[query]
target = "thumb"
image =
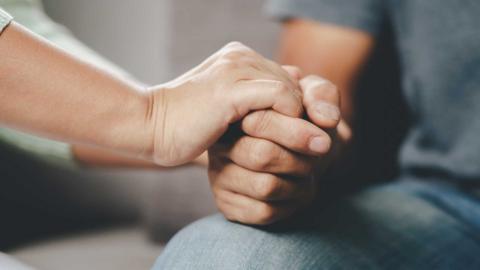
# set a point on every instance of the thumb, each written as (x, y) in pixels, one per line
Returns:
(321, 100)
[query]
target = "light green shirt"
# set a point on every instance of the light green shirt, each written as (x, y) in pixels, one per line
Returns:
(30, 14)
(5, 19)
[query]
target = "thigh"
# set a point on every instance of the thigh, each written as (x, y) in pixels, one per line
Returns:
(389, 227)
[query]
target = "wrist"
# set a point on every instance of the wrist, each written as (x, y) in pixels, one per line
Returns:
(133, 131)
(154, 122)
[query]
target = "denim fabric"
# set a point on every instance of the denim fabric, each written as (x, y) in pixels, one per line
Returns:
(406, 224)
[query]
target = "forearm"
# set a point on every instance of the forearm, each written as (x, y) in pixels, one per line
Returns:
(50, 93)
(94, 156)
(334, 52)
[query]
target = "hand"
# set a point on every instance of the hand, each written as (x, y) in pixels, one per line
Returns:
(268, 174)
(190, 113)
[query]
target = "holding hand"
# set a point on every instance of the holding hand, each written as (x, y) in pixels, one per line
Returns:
(272, 171)
(170, 124)
(190, 113)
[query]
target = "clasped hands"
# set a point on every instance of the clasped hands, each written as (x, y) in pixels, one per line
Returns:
(266, 129)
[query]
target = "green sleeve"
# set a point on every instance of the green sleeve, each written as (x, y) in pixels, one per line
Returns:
(5, 19)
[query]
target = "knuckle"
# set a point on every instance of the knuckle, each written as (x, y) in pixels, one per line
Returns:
(280, 156)
(226, 65)
(294, 71)
(266, 214)
(298, 109)
(239, 46)
(299, 137)
(235, 51)
(229, 215)
(282, 159)
(260, 161)
(281, 87)
(262, 154)
(257, 122)
(267, 186)
(231, 54)
(318, 83)
(234, 44)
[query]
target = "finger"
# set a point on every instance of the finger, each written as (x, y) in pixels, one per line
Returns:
(344, 132)
(251, 95)
(239, 53)
(239, 208)
(293, 71)
(265, 156)
(321, 100)
(293, 133)
(258, 186)
(279, 70)
(274, 68)
(281, 74)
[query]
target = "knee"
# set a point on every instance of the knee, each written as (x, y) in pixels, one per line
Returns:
(210, 243)
(214, 243)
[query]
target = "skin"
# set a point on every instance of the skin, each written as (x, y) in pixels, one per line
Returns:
(46, 91)
(338, 53)
(341, 53)
(258, 178)
(258, 181)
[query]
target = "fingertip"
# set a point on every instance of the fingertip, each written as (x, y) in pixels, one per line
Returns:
(319, 144)
(344, 131)
(324, 115)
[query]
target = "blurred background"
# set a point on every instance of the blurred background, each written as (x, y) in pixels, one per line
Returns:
(62, 218)
(156, 40)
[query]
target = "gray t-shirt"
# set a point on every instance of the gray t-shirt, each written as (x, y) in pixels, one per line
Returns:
(439, 49)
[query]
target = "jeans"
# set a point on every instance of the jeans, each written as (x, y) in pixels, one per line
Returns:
(406, 224)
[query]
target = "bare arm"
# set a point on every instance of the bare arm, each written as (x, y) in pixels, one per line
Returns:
(334, 52)
(48, 92)
(100, 157)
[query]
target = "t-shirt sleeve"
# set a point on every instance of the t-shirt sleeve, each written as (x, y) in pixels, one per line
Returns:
(364, 15)
(5, 19)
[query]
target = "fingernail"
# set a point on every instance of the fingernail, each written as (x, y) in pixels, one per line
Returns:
(327, 111)
(319, 144)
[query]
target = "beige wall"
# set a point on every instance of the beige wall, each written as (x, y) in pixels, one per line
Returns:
(201, 27)
(132, 33)
(159, 39)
